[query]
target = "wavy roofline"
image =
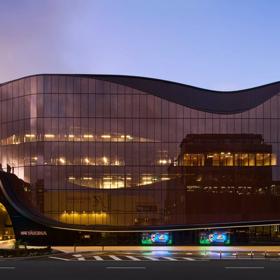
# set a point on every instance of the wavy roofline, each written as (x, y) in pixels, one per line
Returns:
(86, 75)
(207, 100)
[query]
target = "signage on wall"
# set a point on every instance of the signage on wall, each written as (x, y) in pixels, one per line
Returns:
(214, 238)
(33, 233)
(156, 238)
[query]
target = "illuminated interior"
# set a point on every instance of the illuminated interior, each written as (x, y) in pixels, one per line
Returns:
(88, 137)
(230, 159)
(6, 229)
(83, 218)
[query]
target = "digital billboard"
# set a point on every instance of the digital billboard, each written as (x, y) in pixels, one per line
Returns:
(214, 238)
(156, 238)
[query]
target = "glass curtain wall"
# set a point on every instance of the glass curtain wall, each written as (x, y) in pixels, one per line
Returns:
(100, 153)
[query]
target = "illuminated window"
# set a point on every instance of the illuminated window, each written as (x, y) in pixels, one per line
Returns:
(49, 136)
(259, 159)
(88, 136)
(273, 159)
(193, 160)
(106, 136)
(266, 159)
(187, 160)
(244, 160)
(216, 160)
(252, 160)
(62, 160)
(229, 159)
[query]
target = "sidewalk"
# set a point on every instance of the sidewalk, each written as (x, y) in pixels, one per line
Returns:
(71, 249)
(10, 244)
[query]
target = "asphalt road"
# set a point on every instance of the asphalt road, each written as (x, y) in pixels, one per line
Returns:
(155, 270)
(145, 265)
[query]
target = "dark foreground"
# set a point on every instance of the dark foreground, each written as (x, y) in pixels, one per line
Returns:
(144, 270)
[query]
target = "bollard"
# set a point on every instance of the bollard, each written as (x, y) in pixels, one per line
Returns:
(220, 255)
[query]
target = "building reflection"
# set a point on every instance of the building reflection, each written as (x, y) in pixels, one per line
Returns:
(222, 178)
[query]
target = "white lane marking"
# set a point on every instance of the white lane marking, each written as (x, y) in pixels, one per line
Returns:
(61, 259)
(7, 267)
(133, 258)
(240, 258)
(125, 267)
(189, 259)
(80, 257)
(114, 258)
(169, 258)
(244, 267)
(151, 258)
(97, 258)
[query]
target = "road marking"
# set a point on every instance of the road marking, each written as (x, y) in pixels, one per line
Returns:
(244, 267)
(61, 259)
(132, 258)
(169, 259)
(125, 267)
(115, 258)
(241, 258)
(7, 267)
(80, 257)
(151, 258)
(97, 258)
(189, 259)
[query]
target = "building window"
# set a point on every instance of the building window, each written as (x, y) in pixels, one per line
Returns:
(193, 160)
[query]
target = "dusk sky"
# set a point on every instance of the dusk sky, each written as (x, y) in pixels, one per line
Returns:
(215, 44)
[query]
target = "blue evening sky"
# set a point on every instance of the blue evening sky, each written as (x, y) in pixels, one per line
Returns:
(215, 44)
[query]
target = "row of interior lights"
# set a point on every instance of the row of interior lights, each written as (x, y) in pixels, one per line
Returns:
(90, 178)
(144, 178)
(84, 212)
(87, 136)
(105, 160)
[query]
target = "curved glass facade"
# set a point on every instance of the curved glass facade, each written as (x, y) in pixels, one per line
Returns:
(97, 152)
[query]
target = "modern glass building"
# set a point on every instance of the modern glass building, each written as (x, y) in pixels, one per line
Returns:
(107, 153)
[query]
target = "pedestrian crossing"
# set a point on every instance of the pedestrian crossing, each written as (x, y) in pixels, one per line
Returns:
(80, 257)
(88, 257)
(133, 258)
(115, 258)
(97, 258)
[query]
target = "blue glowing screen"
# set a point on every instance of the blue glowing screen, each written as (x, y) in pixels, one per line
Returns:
(154, 238)
(208, 238)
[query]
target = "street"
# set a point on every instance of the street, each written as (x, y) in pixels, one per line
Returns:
(144, 265)
(199, 269)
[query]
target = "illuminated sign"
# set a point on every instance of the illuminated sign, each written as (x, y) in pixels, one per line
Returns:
(214, 238)
(33, 233)
(156, 238)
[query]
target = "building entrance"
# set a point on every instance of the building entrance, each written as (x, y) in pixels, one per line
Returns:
(6, 228)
